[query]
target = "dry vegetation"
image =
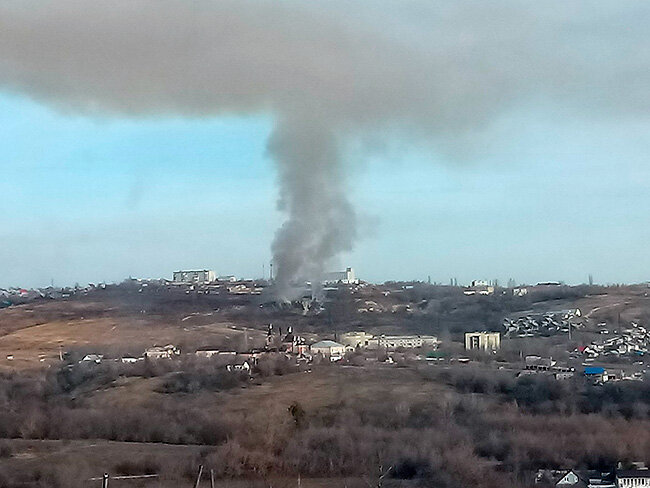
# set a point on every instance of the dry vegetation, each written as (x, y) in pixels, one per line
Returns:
(62, 423)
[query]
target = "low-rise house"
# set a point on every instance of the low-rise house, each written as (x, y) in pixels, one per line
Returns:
(130, 359)
(243, 367)
(539, 363)
(92, 358)
(164, 352)
(206, 353)
(596, 373)
(479, 290)
(227, 278)
(565, 375)
(633, 478)
(327, 348)
(572, 479)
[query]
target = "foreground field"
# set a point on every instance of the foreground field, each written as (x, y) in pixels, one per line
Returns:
(410, 423)
(334, 426)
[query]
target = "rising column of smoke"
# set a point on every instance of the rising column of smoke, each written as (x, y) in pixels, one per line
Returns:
(321, 221)
(427, 72)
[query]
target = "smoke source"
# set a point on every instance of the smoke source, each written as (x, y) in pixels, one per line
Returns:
(330, 72)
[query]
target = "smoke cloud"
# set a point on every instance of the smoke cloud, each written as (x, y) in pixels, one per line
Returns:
(424, 71)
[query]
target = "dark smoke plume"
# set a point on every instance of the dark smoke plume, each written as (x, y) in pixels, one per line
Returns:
(424, 71)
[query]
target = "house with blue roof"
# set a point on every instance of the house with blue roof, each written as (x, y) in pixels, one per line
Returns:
(596, 373)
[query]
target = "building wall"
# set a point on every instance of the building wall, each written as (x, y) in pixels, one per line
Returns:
(393, 342)
(194, 276)
(633, 482)
(329, 351)
(347, 277)
(356, 339)
(484, 341)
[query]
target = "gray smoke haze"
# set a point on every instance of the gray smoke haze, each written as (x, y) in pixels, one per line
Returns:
(330, 73)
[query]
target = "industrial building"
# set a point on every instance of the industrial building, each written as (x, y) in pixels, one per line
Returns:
(346, 277)
(405, 341)
(195, 276)
(482, 341)
(361, 339)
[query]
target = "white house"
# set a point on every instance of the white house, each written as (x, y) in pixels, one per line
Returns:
(633, 478)
(330, 349)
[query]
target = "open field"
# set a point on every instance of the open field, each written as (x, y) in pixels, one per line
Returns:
(442, 424)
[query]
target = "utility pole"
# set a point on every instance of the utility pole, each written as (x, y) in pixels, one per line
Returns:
(212, 478)
(271, 272)
(105, 481)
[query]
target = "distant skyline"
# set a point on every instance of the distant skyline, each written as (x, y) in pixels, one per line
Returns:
(444, 139)
(89, 199)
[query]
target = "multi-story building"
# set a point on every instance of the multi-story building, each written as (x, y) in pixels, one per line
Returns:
(195, 276)
(482, 341)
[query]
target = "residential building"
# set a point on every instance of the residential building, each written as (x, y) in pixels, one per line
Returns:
(164, 352)
(195, 276)
(596, 373)
(482, 341)
(330, 349)
(633, 478)
(93, 358)
(539, 363)
(227, 278)
(206, 353)
(243, 367)
(479, 290)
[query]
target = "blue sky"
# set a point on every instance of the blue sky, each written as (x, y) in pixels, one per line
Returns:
(547, 197)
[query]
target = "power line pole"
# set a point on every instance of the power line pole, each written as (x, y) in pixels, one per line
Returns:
(105, 481)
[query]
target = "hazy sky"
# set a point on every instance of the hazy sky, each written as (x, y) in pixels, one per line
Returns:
(89, 199)
(450, 139)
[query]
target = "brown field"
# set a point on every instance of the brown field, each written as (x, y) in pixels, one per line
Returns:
(436, 425)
